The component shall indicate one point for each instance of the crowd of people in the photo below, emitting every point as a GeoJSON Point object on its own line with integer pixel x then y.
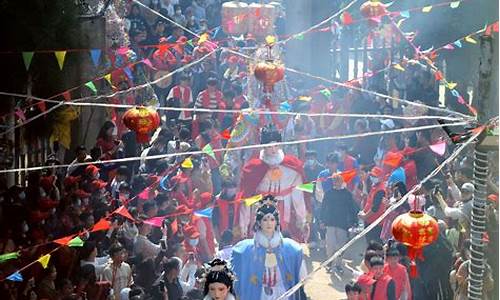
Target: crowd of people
{"type": "Point", "coordinates": [188, 256]}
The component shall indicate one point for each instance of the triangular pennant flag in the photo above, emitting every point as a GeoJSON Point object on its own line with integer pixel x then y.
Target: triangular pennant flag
{"type": "Point", "coordinates": [203, 38]}
{"type": "Point", "coordinates": [405, 14]}
{"type": "Point", "coordinates": [469, 39]}
{"type": "Point", "coordinates": [108, 79]}
{"type": "Point", "coordinates": [252, 200]}
{"type": "Point", "coordinates": [205, 213]}
{"type": "Point", "coordinates": [42, 106]}
{"type": "Point", "coordinates": [306, 187]}
{"type": "Point", "coordinates": [460, 99]}
{"type": "Point", "coordinates": [44, 260]}
{"type": "Point", "coordinates": [458, 43]}
{"type": "Point", "coordinates": [27, 57]}
{"type": "Point", "coordinates": [304, 98]}
{"type": "Point", "coordinates": [471, 109]}
{"type": "Point", "coordinates": [16, 276]}
{"type": "Point", "coordinates": [60, 55]}
{"type": "Point", "coordinates": [67, 96]}
{"type": "Point", "coordinates": [487, 30]}
{"type": "Point", "coordinates": [495, 26]}
{"type": "Point", "coordinates": [187, 163]}
{"type": "Point", "coordinates": [439, 148]}
{"type": "Point", "coordinates": [8, 256]}
{"type": "Point", "coordinates": [103, 224]}
{"type": "Point", "coordinates": [148, 63]}
{"type": "Point", "coordinates": [448, 47]}
{"type": "Point", "coordinates": [348, 175]}
{"type": "Point", "coordinates": [95, 54]}
{"type": "Point", "coordinates": [174, 226]}
{"type": "Point", "coordinates": [451, 85]}
{"type": "Point", "coordinates": [270, 39]}
{"type": "Point", "coordinates": [155, 221]}
{"type": "Point", "coordinates": [208, 150]}
{"type": "Point", "coordinates": [190, 43]}
{"type": "Point", "coordinates": [438, 75]}
{"type": "Point", "coordinates": [63, 241]}
{"type": "Point", "coordinates": [225, 134]}
{"type": "Point", "coordinates": [455, 93]}
{"type": "Point", "coordinates": [91, 86]}
{"type": "Point", "coordinates": [76, 242]}
{"type": "Point", "coordinates": [399, 67]}
{"type": "Point", "coordinates": [346, 18]}
{"type": "Point", "coordinates": [455, 4]}
{"type": "Point", "coordinates": [122, 210]}
{"type": "Point", "coordinates": [299, 36]}
{"type": "Point", "coordinates": [20, 114]}
{"type": "Point", "coordinates": [146, 193]}
{"type": "Point", "coordinates": [393, 159]}
{"type": "Point", "coordinates": [326, 93]}
{"type": "Point", "coordinates": [427, 9]}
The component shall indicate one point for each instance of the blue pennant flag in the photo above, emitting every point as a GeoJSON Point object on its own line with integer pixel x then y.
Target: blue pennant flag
{"type": "Point", "coordinates": [206, 213]}
{"type": "Point", "coordinates": [404, 14]}
{"type": "Point", "coordinates": [128, 72]}
{"type": "Point", "coordinates": [458, 44]}
{"type": "Point", "coordinates": [455, 93]}
{"type": "Point", "coordinates": [16, 276]}
{"type": "Point", "coordinates": [95, 54]}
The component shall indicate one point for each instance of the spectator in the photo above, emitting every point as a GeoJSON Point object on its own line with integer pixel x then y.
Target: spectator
{"type": "Point", "coordinates": [118, 272]}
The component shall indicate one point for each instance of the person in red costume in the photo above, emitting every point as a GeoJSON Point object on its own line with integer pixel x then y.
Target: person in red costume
{"type": "Point", "coordinates": [277, 174]}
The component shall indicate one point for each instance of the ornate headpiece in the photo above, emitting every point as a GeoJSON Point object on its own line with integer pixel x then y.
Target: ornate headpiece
{"type": "Point", "coordinates": [269, 134]}
{"type": "Point", "coordinates": [217, 271]}
{"type": "Point", "coordinates": [268, 205]}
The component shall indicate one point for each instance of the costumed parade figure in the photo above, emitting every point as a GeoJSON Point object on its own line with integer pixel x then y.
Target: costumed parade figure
{"type": "Point", "coordinates": [267, 265]}
{"type": "Point", "coordinates": [277, 174]}
{"type": "Point", "coordinates": [218, 281]}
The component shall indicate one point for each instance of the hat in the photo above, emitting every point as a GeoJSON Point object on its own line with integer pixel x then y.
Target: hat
{"type": "Point", "coordinates": [493, 198]}
{"type": "Point", "coordinates": [191, 232]}
{"type": "Point", "coordinates": [71, 181]}
{"type": "Point", "coordinates": [468, 187]}
{"type": "Point", "coordinates": [376, 171]}
{"type": "Point", "coordinates": [81, 194]}
{"type": "Point", "coordinates": [97, 185]}
{"type": "Point", "coordinates": [91, 170]}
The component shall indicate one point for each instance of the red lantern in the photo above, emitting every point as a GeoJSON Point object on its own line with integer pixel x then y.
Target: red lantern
{"type": "Point", "coordinates": [269, 73]}
{"type": "Point", "coordinates": [416, 230]}
{"type": "Point", "coordinates": [142, 120]}
{"type": "Point", "coordinates": [373, 9]}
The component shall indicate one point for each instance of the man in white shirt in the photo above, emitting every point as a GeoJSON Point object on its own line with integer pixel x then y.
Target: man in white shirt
{"type": "Point", "coordinates": [118, 272]}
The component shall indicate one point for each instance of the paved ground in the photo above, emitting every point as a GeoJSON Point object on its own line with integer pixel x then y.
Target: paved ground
{"type": "Point", "coordinates": [323, 285]}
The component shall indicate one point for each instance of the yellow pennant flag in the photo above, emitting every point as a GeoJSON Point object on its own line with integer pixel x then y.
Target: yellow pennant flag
{"type": "Point", "coordinates": [108, 78]}
{"type": "Point", "coordinates": [399, 67]}
{"type": "Point", "coordinates": [469, 39]}
{"type": "Point", "coordinates": [427, 9]}
{"type": "Point", "coordinates": [60, 55]}
{"type": "Point", "coordinates": [187, 163]}
{"type": "Point", "coordinates": [252, 200]}
{"type": "Point", "coordinates": [44, 260]}
{"type": "Point", "coordinates": [451, 85]}
{"type": "Point", "coordinates": [203, 38]}
{"type": "Point", "coordinates": [270, 39]}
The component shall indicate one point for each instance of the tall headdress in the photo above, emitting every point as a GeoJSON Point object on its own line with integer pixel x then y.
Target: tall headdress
{"type": "Point", "coordinates": [218, 271]}
{"type": "Point", "coordinates": [268, 205]}
{"type": "Point", "coordinates": [270, 134]}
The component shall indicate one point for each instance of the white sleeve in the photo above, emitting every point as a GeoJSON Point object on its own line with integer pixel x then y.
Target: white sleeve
{"type": "Point", "coordinates": [244, 218]}
{"type": "Point", "coordinates": [303, 270]}
{"type": "Point", "coordinates": [455, 192]}
{"type": "Point", "coordinates": [318, 191]}
{"type": "Point", "coordinates": [453, 212]}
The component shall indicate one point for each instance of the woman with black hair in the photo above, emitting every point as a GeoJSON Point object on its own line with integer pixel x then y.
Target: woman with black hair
{"type": "Point", "coordinates": [106, 140]}
{"type": "Point", "coordinates": [218, 281]}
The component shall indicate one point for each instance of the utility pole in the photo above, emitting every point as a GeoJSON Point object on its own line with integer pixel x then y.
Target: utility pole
{"type": "Point", "coordinates": [479, 217]}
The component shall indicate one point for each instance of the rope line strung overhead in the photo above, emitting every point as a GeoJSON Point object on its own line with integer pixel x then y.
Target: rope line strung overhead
{"type": "Point", "coordinates": [247, 147]}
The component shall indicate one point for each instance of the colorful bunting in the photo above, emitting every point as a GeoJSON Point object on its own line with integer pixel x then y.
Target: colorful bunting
{"type": "Point", "coordinates": [270, 39]}
{"type": "Point", "coordinates": [203, 38]}
{"type": "Point", "coordinates": [8, 256]}
{"type": "Point", "coordinates": [346, 18]}
{"type": "Point", "coordinates": [44, 260]}
{"type": "Point", "coordinates": [128, 72]}
{"type": "Point", "coordinates": [326, 93]}
{"type": "Point", "coordinates": [252, 200]}
{"type": "Point", "coordinates": [103, 224]}
{"type": "Point", "coordinates": [405, 14]}
{"type": "Point", "coordinates": [122, 210]}
{"type": "Point", "coordinates": [299, 36]}
{"type": "Point", "coordinates": [108, 79]}
{"type": "Point", "coordinates": [27, 57]}
{"type": "Point", "coordinates": [458, 44]}
{"type": "Point", "coordinates": [438, 75]}
{"type": "Point", "coordinates": [63, 241]}
{"type": "Point", "coordinates": [208, 151]}
{"type": "Point", "coordinates": [16, 276]}
{"type": "Point", "coordinates": [399, 67]}
{"type": "Point", "coordinates": [306, 187]}
{"type": "Point", "coordinates": [91, 86]}
{"type": "Point", "coordinates": [20, 114]}
{"type": "Point", "coordinates": [95, 54]}
{"type": "Point", "coordinates": [448, 47]}
{"type": "Point", "coordinates": [455, 4]}
{"type": "Point", "coordinates": [460, 99]}
{"type": "Point", "coordinates": [225, 134]}
{"type": "Point", "coordinates": [348, 175]}
{"type": "Point", "coordinates": [148, 63]}
{"type": "Point", "coordinates": [439, 148]}
{"type": "Point", "coordinates": [60, 55]}
{"type": "Point", "coordinates": [190, 43]}
{"type": "Point", "coordinates": [155, 221]}
{"type": "Point", "coordinates": [205, 213]}
{"type": "Point", "coordinates": [451, 85]}
{"type": "Point", "coordinates": [76, 242]}
{"type": "Point", "coordinates": [304, 98]}
{"type": "Point", "coordinates": [187, 163]}
{"type": "Point", "coordinates": [427, 9]}
{"type": "Point", "coordinates": [469, 39]}
{"type": "Point", "coordinates": [455, 93]}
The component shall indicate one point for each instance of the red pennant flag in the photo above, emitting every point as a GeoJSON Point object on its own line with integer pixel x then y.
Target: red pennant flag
{"type": "Point", "coordinates": [122, 210]}
{"type": "Point", "coordinates": [488, 30]}
{"type": "Point", "coordinates": [41, 105]}
{"type": "Point", "coordinates": [144, 195]}
{"type": "Point", "coordinates": [438, 75]}
{"type": "Point", "coordinates": [174, 226]}
{"type": "Point", "coordinates": [348, 175]}
{"type": "Point", "coordinates": [495, 26]}
{"type": "Point", "coordinates": [346, 18]}
{"type": "Point", "coordinates": [225, 134]}
{"type": "Point", "coordinates": [103, 224]}
{"type": "Point", "coordinates": [257, 12]}
{"type": "Point", "coordinates": [65, 240]}
{"type": "Point", "coordinates": [393, 159]}
{"type": "Point", "coordinates": [67, 96]}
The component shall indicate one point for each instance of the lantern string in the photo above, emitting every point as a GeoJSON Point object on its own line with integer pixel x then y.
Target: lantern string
{"type": "Point", "coordinates": [246, 147]}
{"type": "Point", "coordinates": [243, 111]}
{"type": "Point", "coordinates": [391, 208]}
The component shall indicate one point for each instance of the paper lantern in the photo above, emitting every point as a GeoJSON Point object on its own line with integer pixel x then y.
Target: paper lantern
{"type": "Point", "coordinates": [261, 19]}
{"type": "Point", "coordinates": [269, 73]}
{"type": "Point", "coordinates": [235, 18]}
{"type": "Point", "coordinates": [415, 230]}
{"type": "Point", "coordinates": [142, 120]}
{"type": "Point", "coordinates": [373, 9]}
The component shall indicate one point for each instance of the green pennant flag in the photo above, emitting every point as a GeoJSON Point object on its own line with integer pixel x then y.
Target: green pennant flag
{"type": "Point", "coordinates": [208, 150]}
{"type": "Point", "coordinates": [76, 242]}
{"type": "Point", "coordinates": [306, 187]}
{"type": "Point", "coordinates": [326, 93]}
{"type": "Point", "coordinates": [91, 86]}
{"type": "Point", "coordinates": [190, 43]}
{"type": "Point", "coordinates": [8, 256]}
{"type": "Point", "coordinates": [27, 57]}
{"type": "Point", "coordinates": [299, 37]}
